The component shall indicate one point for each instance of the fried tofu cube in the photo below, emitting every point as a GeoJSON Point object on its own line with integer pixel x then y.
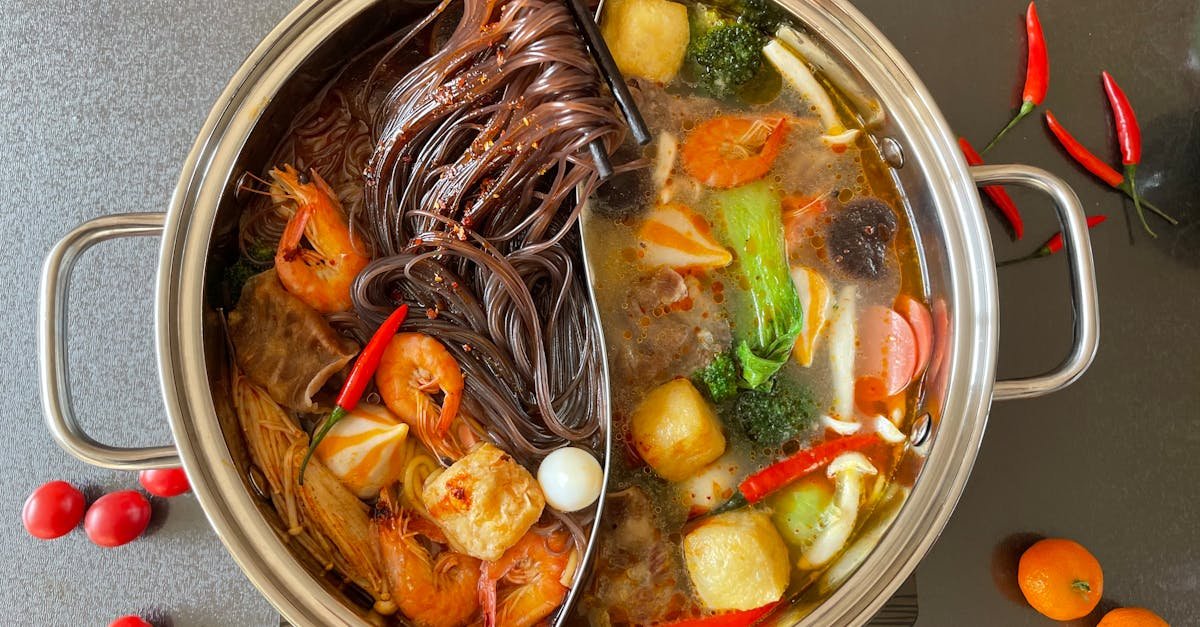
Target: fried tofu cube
{"type": "Point", "coordinates": [676, 431]}
{"type": "Point", "coordinates": [648, 38]}
{"type": "Point", "coordinates": [737, 561]}
{"type": "Point", "coordinates": [484, 502]}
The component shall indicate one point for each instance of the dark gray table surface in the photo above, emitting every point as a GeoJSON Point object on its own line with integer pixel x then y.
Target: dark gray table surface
{"type": "Point", "coordinates": [100, 102]}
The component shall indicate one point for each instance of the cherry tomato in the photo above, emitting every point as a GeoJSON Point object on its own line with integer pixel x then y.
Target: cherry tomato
{"type": "Point", "coordinates": [165, 482]}
{"type": "Point", "coordinates": [117, 518]}
{"type": "Point", "coordinates": [130, 621]}
{"type": "Point", "coordinates": [53, 510]}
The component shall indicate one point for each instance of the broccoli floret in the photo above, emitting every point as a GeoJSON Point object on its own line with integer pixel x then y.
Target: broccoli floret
{"type": "Point", "coordinates": [703, 18]}
{"type": "Point", "coordinates": [719, 379]}
{"type": "Point", "coordinates": [726, 56]}
{"type": "Point", "coordinates": [236, 276]}
{"type": "Point", "coordinates": [773, 415]}
{"type": "Point", "coordinates": [727, 37]}
{"type": "Point", "coordinates": [764, 15]}
{"type": "Point", "coordinates": [261, 252]}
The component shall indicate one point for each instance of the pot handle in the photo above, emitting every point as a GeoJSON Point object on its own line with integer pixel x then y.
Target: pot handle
{"type": "Point", "coordinates": [52, 344]}
{"type": "Point", "coordinates": [1083, 279]}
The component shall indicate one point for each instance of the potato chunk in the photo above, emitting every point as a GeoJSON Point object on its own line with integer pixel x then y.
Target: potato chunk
{"type": "Point", "coordinates": [676, 431]}
{"type": "Point", "coordinates": [737, 561]}
{"type": "Point", "coordinates": [484, 502]}
{"type": "Point", "coordinates": [648, 38]}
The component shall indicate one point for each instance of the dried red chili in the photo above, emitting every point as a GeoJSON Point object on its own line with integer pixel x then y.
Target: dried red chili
{"type": "Point", "coordinates": [360, 375]}
{"type": "Point", "coordinates": [1098, 167]}
{"type": "Point", "coordinates": [999, 196]}
{"type": "Point", "coordinates": [1037, 72]}
{"type": "Point", "coordinates": [1052, 245]}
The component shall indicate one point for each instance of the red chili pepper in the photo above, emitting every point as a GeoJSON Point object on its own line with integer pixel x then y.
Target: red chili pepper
{"type": "Point", "coordinates": [1129, 135]}
{"type": "Point", "coordinates": [742, 618]}
{"type": "Point", "coordinates": [1129, 138]}
{"type": "Point", "coordinates": [1037, 71]}
{"type": "Point", "coordinates": [999, 196]}
{"type": "Point", "coordinates": [1083, 156]}
{"type": "Point", "coordinates": [1052, 245]}
{"type": "Point", "coordinates": [360, 375]}
{"type": "Point", "coordinates": [1099, 168]}
{"type": "Point", "coordinates": [783, 472]}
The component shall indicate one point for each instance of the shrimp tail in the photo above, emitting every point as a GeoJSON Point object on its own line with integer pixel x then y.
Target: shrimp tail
{"type": "Point", "coordinates": [487, 594]}
{"type": "Point", "coordinates": [449, 411]}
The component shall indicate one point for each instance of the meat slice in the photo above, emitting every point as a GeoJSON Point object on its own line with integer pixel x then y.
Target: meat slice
{"type": "Point", "coordinates": [675, 327]}
{"type": "Point", "coordinates": [284, 345]}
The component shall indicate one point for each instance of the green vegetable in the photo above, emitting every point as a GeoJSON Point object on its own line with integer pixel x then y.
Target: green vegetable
{"type": "Point", "coordinates": [800, 511]}
{"type": "Point", "coordinates": [768, 324]}
{"type": "Point", "coordinates": [236, 276]}
{"type": "Point", "coordinates": [703, 18]}
{"type": "Point", "coordinates": [725, 53]}
{"type": "Point", "coordinates": [261, 252]}
{"type": "Point", "coordinates": [764, 15]}
{"type": "Point", "coordinates": [719, 379]}
{"type": "Point", "coordinates": [772, 415]}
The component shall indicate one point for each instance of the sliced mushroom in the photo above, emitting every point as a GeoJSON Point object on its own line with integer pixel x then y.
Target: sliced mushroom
{"type": "Point", "coordinates": [847, 471]}
{"type": "Point", "coordinates": [842, 352]}
{"type": "Point", "coordinates": [796, 72]}
{"type": "Point", "coordinates": [887, 430]}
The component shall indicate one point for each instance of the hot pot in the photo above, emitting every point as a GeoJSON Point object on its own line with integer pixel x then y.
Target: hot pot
{"type": "Point", "coordinates": [303, 52]}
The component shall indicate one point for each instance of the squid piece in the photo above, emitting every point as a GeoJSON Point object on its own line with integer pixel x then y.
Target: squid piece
{"type": "Point", "coordinates": [675, 236]}
{"type": "Point", "coordinates": [795, 71]}
{"type": "Point", "coordinates": [847, 471]}
{"type": "Point", "coordinates": [815, 298]}
{"type": "Point", "coordinates": [284, 345]}
{"type": "Point", "coordinates": [363, 450]}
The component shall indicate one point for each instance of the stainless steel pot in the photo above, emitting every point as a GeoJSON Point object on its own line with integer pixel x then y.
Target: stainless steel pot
{"type": "Point", "coordinates": [304, 50]}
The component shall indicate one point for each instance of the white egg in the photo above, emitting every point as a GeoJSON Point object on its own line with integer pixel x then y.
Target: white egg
{"type": "Point", "coordinates": [571, 479]}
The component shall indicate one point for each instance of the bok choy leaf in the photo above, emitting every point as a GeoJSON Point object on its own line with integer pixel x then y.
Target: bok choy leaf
{"type": "Point", "coordinates": [771, 316]}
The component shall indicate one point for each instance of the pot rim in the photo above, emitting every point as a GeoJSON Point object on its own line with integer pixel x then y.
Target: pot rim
{"type": "Point", "coordinates": [205, 178]}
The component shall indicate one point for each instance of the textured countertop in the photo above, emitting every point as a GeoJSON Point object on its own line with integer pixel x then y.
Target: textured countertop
{"type": "Point", "coordinates": [100, 102]}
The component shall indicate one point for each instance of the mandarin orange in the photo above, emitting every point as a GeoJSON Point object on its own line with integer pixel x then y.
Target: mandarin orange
{"type": "Point", "coordinates": [1060, 579]}
{"type": "Point", "coordinates": [1132, 617]}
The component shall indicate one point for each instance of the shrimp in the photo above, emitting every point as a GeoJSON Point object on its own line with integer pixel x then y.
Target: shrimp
{"type": "Point", "coordinates": [431, 591]}
{"type": "Point", "coordinates": [414, 365]}
{"type": "Point", "coordinates": [539, 568]}
{"type": "Point", "coordinates": [729, 151]}
{"type": "Point", "coordinates": [321, 274]}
